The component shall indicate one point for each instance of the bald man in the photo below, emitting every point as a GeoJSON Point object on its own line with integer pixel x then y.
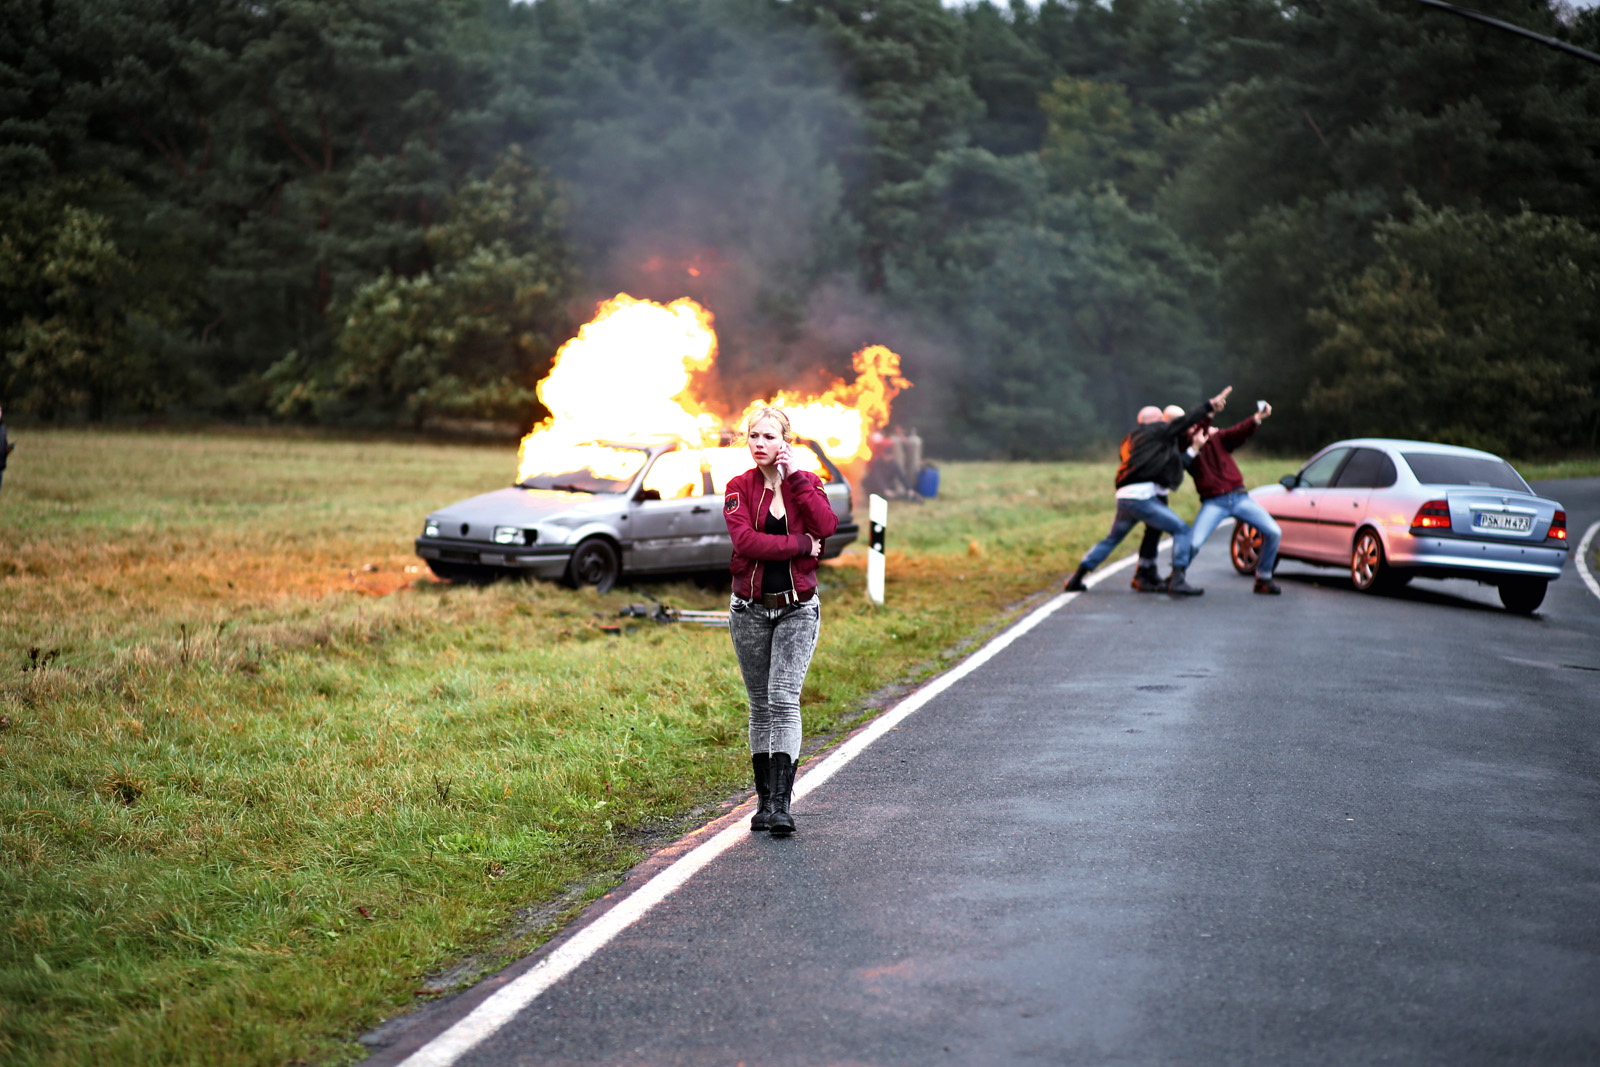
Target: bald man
{"type": "Point", "coordinates": [1150, 455]}
{"type": "Point", "coordinates": [1147, 576]}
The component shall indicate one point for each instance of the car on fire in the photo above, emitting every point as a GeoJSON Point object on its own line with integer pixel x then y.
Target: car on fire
{"type": "Point", "coordinates": [625, 508]}
{"type": "Point", "coordinates": [1392, 510]}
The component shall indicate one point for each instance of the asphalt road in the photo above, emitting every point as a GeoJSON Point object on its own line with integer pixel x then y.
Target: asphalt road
{"type": "Point", "coordinates": [1321, 828]}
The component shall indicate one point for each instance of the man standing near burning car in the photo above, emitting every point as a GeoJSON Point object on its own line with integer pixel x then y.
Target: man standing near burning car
{"type": "Point", "coordinates": [1152, 462]}
{"type": "Point", "coordinates": [5, 446]}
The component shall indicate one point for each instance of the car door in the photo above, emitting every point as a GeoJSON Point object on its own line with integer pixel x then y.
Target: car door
{"type": "Point", "coordinates": [675, 523]}
{"type": "Point", "coordinates": [1343, 505]}
{"type": "Point", "coordinates": [1297, 509]}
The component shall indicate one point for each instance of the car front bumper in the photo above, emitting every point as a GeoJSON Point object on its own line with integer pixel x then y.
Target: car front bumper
{"type": "Point", "coordinates": [544, 561]}
{"type": "Point", "coordinates": [840, 539]}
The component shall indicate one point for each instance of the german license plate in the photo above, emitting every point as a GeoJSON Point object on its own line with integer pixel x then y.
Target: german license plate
{"type": "Point", "coordinates": [1489, 520]}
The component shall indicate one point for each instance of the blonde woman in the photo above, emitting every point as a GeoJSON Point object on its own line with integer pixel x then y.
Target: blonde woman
{"type": "Point", "coordinates": [778, 518]}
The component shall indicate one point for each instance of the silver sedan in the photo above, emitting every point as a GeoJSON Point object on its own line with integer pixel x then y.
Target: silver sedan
{"type": "Point", "coordinates": [1393, 510]}
{"type": "Point", "coordinates": [655, 507]}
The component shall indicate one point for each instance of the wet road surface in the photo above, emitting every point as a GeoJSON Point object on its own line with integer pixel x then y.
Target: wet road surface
{"type": "Point", "coordinates": [1321, 828]}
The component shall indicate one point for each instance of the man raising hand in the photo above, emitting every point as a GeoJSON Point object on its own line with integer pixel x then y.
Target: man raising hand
{"type": "Point", "coordinates": [1152, 460]}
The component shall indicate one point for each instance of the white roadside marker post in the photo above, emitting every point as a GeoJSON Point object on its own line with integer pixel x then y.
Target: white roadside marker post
{"type": "Point", "coordinates": [878, 513]}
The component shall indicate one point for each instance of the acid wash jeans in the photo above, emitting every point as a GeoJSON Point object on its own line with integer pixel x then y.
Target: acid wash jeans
{"type": "Point", "coordinates": [1151, 512]}
{"type": "Point", "coordinates": [1242, 506]}
{"type": "Point", "coordinates": [774, 646]}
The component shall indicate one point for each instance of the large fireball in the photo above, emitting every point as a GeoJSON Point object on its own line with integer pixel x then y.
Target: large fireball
{"type": "Point", "coordinates": [629, 375]}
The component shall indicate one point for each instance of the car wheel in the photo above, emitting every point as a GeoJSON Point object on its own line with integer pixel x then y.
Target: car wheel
{"type": "Point", "coordinates": [471, 573]}
{"type": "Point", "coordinates": [1246, 547]}
{"type": "Point", "coordinates": [1522, 595]}
{"type": "Point", "coordinates": [595, 563]}
{"type": "Point", "coordinates": [1368, 570]}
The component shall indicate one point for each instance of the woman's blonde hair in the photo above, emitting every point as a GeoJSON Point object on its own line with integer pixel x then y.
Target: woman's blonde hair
{"type": "Point", "coordinates": [776, 415]}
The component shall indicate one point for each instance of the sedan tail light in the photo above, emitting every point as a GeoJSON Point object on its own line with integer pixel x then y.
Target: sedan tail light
{"type": "Point", "coordinates": [1558, 526]}
{"type": "Point", "coordinates": [1434, 515]}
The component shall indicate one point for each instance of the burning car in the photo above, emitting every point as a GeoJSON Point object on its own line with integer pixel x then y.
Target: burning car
{"type": "Point", "coordinates": [627, 508]}
{"type": "Point", "coordinates": [627, 473]}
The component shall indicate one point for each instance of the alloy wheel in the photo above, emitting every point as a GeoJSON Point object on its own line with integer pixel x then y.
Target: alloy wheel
{"type": "Point", "coordinates": [1245, 547]}
{"type": "Point", "coordinates": [1366, 562]}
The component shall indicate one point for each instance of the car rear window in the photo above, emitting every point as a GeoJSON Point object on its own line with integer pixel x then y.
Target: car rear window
{"type": "Point", "coordinates": [1434, 469]}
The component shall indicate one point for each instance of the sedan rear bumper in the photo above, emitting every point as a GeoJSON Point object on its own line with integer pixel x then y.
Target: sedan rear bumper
{"type": "Point", "coordinates": [543, 561]}
{"type": "Point", "coordinates": [1447, 557]}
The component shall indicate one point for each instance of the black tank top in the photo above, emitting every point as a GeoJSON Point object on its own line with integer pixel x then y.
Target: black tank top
{"type": "Point", "coordinates": [775, 572]}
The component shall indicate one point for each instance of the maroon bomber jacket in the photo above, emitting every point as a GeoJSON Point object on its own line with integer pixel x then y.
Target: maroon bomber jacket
{"type": "Point", "coordinates": [745, 504]}
{"type": "Point", "coordinates": [1213, 469]}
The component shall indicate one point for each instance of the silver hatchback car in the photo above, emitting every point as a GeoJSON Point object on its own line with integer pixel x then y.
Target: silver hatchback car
{"type": "Point", "coordinates": [655, 508]}
{"type": "Point", "coordinates": [1393, 510]}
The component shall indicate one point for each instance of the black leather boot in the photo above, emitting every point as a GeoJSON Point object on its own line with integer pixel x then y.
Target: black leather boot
{"type": "Point", "coordinates": [1176, 585]}
{"type": "Point", "coordinates": [1148, 580]}
{"type": "Point", "coordinates": [762, 819]}
{"type": "Point", "coordinates": [1075, 583]}
{"type": "Point", "coordinates": [780, 770]}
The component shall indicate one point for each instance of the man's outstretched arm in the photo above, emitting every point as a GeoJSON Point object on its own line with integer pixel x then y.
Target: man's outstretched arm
{"type": "Point", "coordinates": [1181, 424]}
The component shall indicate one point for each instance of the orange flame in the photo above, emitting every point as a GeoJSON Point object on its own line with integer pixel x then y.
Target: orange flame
{"type": "Point", "coordinates": [629, 376]}
{"type": "Point", "coordinates": [844, 416]}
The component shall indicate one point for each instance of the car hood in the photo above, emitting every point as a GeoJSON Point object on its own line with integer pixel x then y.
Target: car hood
{"type": "Point", "coordinates": [523, 507]}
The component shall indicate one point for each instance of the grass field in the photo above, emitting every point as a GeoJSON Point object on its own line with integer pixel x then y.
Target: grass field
{"type": "Point", "coordinates": [263, 777]}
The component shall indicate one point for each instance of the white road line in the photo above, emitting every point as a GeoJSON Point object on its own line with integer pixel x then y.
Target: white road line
{"type": "Point", "coordinates": [503, 1005]}
{"type": "Point", "coordinates": [1583, 560]}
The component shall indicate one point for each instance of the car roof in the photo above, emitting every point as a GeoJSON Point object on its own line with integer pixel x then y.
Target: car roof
{"type": "Point", "coordinates": [668, 442]}
{"type": "Point", "coordinates": [642, 444]}
{"type": "Point", "coordinates": [1402, 445]}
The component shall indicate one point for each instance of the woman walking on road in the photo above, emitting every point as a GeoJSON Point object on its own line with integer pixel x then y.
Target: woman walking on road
{"type": "Point", "coordinates": [778, 518]}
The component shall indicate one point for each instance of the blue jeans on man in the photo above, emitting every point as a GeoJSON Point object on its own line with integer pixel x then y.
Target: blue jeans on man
{"type": "Point", "coordinates": [1152, 512]}
{"type": "Point", "coordinates": [1240, 506]}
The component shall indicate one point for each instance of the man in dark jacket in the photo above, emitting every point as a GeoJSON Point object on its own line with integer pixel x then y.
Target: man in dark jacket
{"type": "Point", "coordinates": [1222, 493]}
{"type": "Point", "coordinates": [1146, 576]}
{"type": "Point", "coordinates": [1152, 462]}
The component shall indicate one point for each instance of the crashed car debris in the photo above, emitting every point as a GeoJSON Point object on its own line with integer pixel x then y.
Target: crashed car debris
{"type": "Point", "coordinates": [629, 508]}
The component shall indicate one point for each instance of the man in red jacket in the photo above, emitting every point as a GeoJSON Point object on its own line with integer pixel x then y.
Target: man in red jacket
{"type": "Point", "coordinates": [1222, 493]}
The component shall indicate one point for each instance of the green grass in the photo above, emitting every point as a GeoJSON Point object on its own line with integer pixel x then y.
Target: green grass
{"type": "Point", "coordinates": [263, 776]}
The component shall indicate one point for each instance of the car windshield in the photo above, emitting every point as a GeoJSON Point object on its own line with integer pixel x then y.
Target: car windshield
{"type": "Point", "coordinates": [586, 468]}
{"type": "Point", "coordinates": [1431, 468]}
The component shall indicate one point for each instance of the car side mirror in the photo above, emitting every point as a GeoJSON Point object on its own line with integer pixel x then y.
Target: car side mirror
{"type": "Point", "coordinates": [647, 494]}
{"type": "Point", "coordinates": [1289, 481]}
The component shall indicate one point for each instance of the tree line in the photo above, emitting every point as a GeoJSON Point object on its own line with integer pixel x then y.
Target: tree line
{"type": "Point", "coordinates": [391, 212]}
